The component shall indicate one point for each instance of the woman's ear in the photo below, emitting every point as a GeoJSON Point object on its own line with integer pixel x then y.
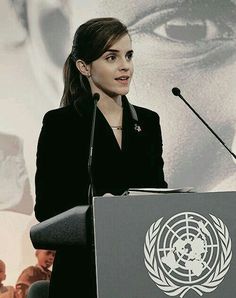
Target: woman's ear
{"type": "Point", "coordinates": [83, 68]}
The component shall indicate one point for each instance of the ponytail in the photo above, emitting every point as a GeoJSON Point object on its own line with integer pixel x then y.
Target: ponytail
{"type": "Point", "coordinates": [75, 84]}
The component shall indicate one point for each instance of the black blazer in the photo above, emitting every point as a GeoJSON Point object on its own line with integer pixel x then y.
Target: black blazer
{"type": "Point", "coordinates": [62, 173]}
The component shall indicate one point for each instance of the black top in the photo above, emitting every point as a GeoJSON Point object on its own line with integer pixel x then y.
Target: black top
{"type": "Point", "coordinates": [62, 164]}
{"type": "Point", "coordinates": [62, 156]}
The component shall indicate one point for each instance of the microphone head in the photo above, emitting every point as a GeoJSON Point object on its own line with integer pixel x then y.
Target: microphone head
{"type": "Point", "coordinates": [176, 91]}
{"type": "Point", "coordinates": [96, 96]}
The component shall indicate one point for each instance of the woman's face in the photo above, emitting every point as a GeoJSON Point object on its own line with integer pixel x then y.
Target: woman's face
{"type": "Point", "coordinates": [111, 73]}
{"type": "Point", "coordinates": [189, 45]}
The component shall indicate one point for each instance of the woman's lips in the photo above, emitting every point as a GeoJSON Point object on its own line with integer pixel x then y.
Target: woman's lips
{"type": "Point", "coordinates": [124, 80]}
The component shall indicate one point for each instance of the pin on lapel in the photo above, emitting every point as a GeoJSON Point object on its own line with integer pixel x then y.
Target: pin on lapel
{"type": "Point", "coordinates": [137, 127]}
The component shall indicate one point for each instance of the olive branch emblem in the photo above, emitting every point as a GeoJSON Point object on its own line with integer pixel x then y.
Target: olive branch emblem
{"type": "Point", "coordinates": [165, 283]}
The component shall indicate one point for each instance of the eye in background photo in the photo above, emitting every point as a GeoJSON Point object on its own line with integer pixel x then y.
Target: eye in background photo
{"type": "Point", "coordinates": [186, 44]}
{"type": "Point", "coordinates": [190, 45]}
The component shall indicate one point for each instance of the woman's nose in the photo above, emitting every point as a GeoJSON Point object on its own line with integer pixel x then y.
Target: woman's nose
{"type": "Point", "coordinates": [124, 65]}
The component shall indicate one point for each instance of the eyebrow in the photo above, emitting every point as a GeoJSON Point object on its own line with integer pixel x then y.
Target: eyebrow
{"type": "Point", "coordinates": [117, 51]}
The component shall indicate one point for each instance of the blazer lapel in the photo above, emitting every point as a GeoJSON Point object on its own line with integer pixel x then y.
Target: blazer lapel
{"type": "Point", "coordinates": [132, 130]}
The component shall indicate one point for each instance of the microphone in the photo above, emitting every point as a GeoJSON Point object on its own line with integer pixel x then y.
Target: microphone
{"type": "Point", "coordinates": [91, 190]}
{"type": "Point", "coordinates": [176, 92]}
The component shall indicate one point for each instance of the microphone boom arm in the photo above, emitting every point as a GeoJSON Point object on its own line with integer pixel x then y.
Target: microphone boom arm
{"type": "Point", "coordinates": [176, 92]}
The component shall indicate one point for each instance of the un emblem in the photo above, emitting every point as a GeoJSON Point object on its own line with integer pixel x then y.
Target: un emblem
{"type": "Point", "coordinates": [187, 252]}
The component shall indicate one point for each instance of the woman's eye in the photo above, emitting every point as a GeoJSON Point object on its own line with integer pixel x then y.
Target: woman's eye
{"type": "Point", "coordinates": [111, 58]}
{"type": "Point", "coordinates": [190, 22]}
{"type": "Point", "coordinates": [185, 30]}
{"type": "Point", "coordinates": [129, 56]}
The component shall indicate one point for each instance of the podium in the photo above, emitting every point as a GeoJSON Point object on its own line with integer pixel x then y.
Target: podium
{"type": "Point", "coordinates": [66, 229]}
{"type": "Point", "coordinates": [157, 245]}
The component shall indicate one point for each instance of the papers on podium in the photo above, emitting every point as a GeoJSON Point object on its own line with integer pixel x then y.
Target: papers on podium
{"type": "Point", "coordinates": [151, 191]}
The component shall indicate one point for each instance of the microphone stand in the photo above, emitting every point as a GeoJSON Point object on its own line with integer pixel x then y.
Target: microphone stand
{"type": "Point", "coordinates": [91, 189]}
{"type": "Point", "coordinates": [91, 193]}
{"type": "Point", "coordinates": [176, 92]}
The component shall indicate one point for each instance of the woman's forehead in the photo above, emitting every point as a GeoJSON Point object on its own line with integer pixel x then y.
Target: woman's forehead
{"type": "Point", "coordinates": [122, 43]}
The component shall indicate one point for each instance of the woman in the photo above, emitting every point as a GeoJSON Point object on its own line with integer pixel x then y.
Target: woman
{"type": "Point", "coordinates": [127, 141]}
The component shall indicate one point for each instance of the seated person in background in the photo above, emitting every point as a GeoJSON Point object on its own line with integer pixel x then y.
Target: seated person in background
{"type": "Point", "coordinates": [5, 291]}
{"type": "Point", "coordinates": [32, 274]}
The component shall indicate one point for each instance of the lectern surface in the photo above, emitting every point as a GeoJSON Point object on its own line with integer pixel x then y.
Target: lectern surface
{"type": "Point", "coordinates": [168, 245]}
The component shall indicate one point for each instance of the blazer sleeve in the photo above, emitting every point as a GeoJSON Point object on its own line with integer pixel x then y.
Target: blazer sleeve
{"type": "Point", "coordinates": [46, 165]}
{"type": "Point", "coordinates": [55, 182]}
{"type": "Point", "coordinates": [157, 163]}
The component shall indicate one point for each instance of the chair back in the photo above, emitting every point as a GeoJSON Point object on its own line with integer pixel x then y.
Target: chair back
{"type": "Point", "coordinates": [39, 289]}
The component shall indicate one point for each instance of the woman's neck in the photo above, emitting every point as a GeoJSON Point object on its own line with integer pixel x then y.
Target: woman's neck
{"type": "Point", "coordinates": [111, 109]}
{"type": "Point", "coordinates": [109, 105]}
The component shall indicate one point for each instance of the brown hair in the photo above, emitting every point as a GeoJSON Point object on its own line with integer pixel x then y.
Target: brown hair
{"type": "Point", "coordinates": [91, 40]}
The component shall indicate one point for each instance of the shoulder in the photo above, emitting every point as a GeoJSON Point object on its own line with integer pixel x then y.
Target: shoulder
{"type": "Point", "coordinates": [27, 270]}
{"type": "Point", "coordinates": [25, 275]}
{"type": "Point", "coordinates": [61, 119]}
{"type": "Point", "coordinates": [28, 275]}
{"type": "Point", "coordinates": [7, 291]}
{"type": "Point", "coordinates": [58, 114]}
{"type": "Point", "coordinates": [146, 115]}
